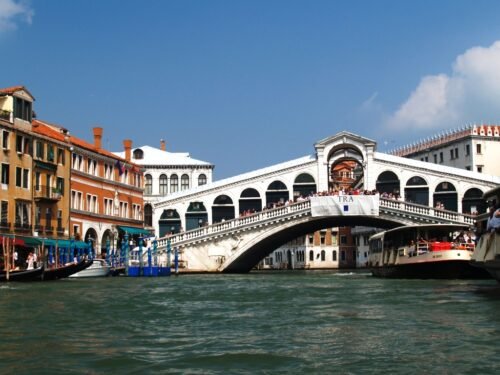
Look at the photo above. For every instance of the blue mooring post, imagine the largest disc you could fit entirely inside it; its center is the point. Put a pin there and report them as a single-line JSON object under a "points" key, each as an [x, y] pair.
{"points": [[126, 246], [176, 260], [108, 252]]}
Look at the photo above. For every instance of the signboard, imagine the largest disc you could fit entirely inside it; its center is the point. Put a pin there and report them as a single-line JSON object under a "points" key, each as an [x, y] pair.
{"points": [[345, 205]]}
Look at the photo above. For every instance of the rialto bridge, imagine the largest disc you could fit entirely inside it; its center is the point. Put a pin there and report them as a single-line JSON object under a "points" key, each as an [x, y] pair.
{"points": [[231, 224]]}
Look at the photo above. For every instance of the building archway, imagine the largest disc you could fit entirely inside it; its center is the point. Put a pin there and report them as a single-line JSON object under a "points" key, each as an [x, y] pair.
{"points": [[388, 182], [446, 194], [196, 215], [250, 201], [106, 242], [91, 235], [345, 169], [304, 185], [222, 209], [473, 202], [276, 194], [169, 223], [417, 191]]}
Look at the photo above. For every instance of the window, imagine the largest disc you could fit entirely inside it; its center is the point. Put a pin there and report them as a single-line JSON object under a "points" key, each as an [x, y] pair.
{"points": [[22, 214], [480, 169], [311, 239], [26, 174], [334, 255], [50, 153], [19, 144], [59, 220], [202, 179], [19, 176], [48, 218], [184, 182], [435, 158], [426, 158], [343, 240], [456, 152], [60, 156], [4, 212], [60, 185], [468, 167], [174, 183], [39, 149], [108, 206], [342, 255], [467, 150], [311, 255], [356, 240], [452, 154], [323, 255], [366, 240], [441, 157], [22, 109], [148, 184], [5, 140], [5, 174], [163, 185], [478, 148]]}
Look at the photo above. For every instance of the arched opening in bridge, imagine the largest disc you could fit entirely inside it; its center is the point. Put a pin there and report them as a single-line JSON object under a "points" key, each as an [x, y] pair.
{"points": [[388, 182], [250, 201], [148, 215], [276, 194], [473, 202], [304, 185], [169, 223], [345, 169], [222, 209], [196, 215], [417, 191], [446, 196]]}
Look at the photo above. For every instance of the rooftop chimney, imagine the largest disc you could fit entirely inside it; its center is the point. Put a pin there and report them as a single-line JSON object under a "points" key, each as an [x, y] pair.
{"points": [[97, 137], [127, 145], [163, 145]]}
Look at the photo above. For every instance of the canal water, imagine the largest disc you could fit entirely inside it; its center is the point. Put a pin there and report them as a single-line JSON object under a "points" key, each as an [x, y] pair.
{"points": [[266, 322]]}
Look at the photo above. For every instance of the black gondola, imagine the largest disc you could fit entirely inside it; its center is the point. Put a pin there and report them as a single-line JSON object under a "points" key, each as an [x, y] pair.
{"points": [[22, 275], [64, 271]]}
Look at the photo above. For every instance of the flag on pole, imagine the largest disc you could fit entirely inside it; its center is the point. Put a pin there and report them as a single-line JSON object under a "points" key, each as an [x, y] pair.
{"points": [[120, 167]]}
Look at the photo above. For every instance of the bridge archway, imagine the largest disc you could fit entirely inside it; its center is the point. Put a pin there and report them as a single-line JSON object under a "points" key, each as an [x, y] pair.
{"points": [[446, 194], [170, 222], [417, 191], [277, 193], [262, 246], [304, 185], [250, 201], [345, 167], [388, 182], [222, 209], [473, 202], [196, 215]]}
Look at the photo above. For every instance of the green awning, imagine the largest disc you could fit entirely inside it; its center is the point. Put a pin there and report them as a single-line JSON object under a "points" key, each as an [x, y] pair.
{"points": [[64, 244], [28, 241], [133, 230], [46, 166]]}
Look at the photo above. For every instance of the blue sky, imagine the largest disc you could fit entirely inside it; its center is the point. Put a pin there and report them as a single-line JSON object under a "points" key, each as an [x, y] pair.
{"points": [[247, 84]]}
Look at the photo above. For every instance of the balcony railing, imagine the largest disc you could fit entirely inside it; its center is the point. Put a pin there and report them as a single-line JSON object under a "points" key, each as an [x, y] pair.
{"points": [[4, 225], [48, 193], [5, 115], [22, 227]]}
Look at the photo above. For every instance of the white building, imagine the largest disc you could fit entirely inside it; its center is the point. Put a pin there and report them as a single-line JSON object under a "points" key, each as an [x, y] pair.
{"points": [[166, 173], [474, 148]]}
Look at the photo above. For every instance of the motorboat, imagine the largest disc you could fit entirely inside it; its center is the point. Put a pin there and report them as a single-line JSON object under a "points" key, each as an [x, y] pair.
{"points": [[98, 268]]}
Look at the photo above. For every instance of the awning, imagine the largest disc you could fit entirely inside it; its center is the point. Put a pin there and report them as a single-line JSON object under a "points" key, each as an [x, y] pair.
{"points": [[16, 241], [65, 244], [133, 230], [28, 241]]}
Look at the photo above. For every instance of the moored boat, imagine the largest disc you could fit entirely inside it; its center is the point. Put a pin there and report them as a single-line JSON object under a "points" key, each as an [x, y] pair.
{"points": [[98, 268], [21, 275], [432, 251], [487, 253], [65, 270]]}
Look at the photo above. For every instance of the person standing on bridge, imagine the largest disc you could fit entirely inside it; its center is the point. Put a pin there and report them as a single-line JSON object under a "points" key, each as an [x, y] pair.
{"points": [[494, 219]]}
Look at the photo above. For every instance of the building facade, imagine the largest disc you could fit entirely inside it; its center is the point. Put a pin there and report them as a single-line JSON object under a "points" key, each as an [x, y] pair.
{"points": [[473, 148], [167, 173]]}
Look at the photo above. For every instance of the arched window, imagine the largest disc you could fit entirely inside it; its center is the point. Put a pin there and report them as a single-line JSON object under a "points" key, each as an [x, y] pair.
{"points": [[334, 255], [323, 255], [184, 182], [202, 179], [138, 154], [163, 185], [148, 215], [174, 183], [148, 184], [311, 256]]}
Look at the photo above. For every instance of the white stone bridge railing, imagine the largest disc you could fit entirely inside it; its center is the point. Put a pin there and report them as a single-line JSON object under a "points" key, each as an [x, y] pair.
{"points": [[230, 226], [390, 207], [400, 207]]}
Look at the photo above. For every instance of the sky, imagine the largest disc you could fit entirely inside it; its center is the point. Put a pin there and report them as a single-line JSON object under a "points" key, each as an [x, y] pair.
{"points": [[245, 84]]}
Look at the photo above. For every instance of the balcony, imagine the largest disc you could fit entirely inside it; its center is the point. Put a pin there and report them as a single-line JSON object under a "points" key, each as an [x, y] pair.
{"points": [[49, 230], [4, 225], [22, 227], [47, 193], [38, 228], [5, 115], [60, 231]]}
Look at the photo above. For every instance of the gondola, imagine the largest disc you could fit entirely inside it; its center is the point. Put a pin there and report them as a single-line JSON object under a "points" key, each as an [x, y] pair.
{"points": [[22, 275], [64, 271]]}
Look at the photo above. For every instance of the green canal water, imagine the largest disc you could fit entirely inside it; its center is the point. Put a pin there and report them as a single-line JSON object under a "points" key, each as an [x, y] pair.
{"points": [[268, 323]]}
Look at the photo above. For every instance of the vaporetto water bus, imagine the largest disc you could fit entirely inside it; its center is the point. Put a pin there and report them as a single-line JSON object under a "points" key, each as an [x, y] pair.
{"points": [[431, 251], [487, 252]]}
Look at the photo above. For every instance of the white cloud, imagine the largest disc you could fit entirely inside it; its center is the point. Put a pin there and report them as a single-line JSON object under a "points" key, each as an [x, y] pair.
{"points": [[11, 11], [470, 94]]}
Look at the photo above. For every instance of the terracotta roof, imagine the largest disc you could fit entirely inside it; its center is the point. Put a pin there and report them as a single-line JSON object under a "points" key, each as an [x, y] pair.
{"points": [[14, 89], [49, 131]]}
